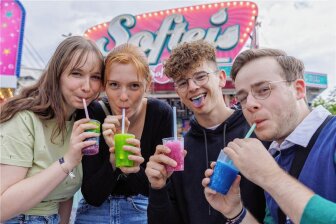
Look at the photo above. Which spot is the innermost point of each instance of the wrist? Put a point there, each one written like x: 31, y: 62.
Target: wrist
x: 235, y: 212
x: 65, y: 169
x: 68, y: 163
x: 238, y: 218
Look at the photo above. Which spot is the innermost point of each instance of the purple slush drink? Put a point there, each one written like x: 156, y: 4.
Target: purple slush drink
x: 92, y: 149
x: 223, y: 177
x: 176, y: 153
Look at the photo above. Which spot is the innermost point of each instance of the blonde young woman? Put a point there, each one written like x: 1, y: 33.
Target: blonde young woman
x: 41, y: 145
x: 114, y: 195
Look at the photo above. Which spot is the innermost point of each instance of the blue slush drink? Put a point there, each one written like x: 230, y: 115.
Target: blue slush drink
x: 223, y: 176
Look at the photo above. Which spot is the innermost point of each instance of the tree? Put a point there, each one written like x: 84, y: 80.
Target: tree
x: 329, y: 103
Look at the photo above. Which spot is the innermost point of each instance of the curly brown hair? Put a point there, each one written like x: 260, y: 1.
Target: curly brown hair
x: 292, y: 67
x: 188, y: 56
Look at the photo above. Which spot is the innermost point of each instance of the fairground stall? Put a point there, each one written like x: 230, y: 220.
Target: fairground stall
x: 12, y: 20
x: 230, y: 26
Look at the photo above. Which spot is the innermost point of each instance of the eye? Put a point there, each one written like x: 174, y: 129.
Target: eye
x: 262, y: 90
x: 113, y: 85
x: 96, y: 77
x: 76, y: 74
x: 134, y: 86
x: 181, y: 84
x: 241, y: 98
x: 200, y: 76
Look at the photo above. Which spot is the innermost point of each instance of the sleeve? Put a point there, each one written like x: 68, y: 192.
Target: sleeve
x: 268, y: 218
x: 319, y: 210
x: 163, y: 124
x: 161, y: 208
x: 17, y: 138
x: 99, y: 178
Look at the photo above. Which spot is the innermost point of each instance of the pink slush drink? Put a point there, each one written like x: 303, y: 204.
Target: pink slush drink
x: 176, y: 152
x: 92, y: 149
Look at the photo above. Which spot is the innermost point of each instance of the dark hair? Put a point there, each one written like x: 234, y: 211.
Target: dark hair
x: 292, y: 68
x: 188, y: 56
x: 44, y: 98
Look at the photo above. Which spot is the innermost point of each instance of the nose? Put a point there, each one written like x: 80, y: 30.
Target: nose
x: 123, y: 95
x: 86, y: 85
x: 252, y: 104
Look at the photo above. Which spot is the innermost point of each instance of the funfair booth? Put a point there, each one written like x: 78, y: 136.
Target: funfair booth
x: 230, y: 26
x: 12, y: 20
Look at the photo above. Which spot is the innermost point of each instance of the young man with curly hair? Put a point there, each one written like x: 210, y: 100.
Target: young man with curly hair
x: 199, y: 83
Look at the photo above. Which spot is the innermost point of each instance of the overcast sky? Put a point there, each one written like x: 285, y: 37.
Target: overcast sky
x: 305, y: 29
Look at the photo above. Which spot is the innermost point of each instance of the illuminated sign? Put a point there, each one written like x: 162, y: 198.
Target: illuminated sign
x: 11, y: 29
x: 227, y: 25
x: 317, y: 80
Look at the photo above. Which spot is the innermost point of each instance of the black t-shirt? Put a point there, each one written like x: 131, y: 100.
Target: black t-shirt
x: 99, y: 178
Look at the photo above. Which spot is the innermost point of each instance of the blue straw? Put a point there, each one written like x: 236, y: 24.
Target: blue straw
x: 249, y: 133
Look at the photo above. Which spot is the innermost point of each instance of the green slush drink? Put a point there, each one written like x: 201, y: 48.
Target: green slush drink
x: 121, y: 156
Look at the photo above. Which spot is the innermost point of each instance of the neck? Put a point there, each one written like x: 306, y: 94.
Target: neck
x: 69, y: 113
x: 215, y: 117
x: 304, y: 111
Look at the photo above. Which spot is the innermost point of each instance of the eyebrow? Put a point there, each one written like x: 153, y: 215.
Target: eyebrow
x: 253, y: 85
x: 259, y: 83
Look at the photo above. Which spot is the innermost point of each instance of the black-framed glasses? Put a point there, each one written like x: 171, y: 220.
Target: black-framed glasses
x: 259, y: 91
x: 199, y: 78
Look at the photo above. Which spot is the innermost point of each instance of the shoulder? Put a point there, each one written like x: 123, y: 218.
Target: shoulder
x: 95, y: 111
x: 158, y: 106
x: 22, y: 119
x: 329, y: 131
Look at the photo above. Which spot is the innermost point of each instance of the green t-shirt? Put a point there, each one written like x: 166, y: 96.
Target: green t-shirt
x: 319, y: 210
x: 25, y: 142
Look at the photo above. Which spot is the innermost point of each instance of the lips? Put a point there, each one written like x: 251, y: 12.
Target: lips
x: 198, y: 99
x: 259, y: 122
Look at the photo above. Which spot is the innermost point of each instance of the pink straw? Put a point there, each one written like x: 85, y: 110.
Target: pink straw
x: 85, y: 109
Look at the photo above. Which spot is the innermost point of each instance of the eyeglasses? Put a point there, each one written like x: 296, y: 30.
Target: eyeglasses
x: 199, y: 78
x: 260, y: 91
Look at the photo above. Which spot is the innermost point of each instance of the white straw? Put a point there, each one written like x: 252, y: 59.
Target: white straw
x: 123, y: 121
x: 175, y: 123
x: 85, y: 109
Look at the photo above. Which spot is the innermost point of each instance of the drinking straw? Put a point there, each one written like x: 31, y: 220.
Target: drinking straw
x: 123, y: 121
x: 221, y: 155
x: 251, y: 130
x: 175, y: 124
x: 85, y: 109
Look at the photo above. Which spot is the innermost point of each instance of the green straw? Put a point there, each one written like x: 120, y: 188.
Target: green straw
x: 249, y: 133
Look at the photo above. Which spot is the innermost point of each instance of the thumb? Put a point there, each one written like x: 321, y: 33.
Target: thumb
x: 111, y: 149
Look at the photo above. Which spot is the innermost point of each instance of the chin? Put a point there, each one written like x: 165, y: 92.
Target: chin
x: 264, y: 135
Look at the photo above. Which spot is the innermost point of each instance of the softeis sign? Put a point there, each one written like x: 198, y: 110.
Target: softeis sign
x: 227, y: 25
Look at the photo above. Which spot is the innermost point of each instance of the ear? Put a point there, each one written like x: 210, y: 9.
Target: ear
x: 222, y: 78
x: 148, y: 82
x: 300, y: 87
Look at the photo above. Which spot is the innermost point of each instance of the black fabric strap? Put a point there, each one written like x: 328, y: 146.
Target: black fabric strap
x: 301, y: 154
